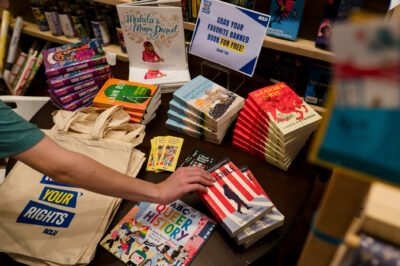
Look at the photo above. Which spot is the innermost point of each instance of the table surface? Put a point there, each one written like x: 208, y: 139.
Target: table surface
x: 289, y: 191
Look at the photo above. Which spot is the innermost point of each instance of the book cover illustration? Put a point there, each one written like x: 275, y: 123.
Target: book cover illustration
x: 285, y: 109
x: 154, y: 38
x: 155, y: 234
x: 318, y: 85
x: 285, y: 18
x: 132, y: 95
x: 199, y: 158
x: 159, y: 142
x: 232, y: 199
x: 74, y: 77
x: 209, y: 100
x: 73, y: 57
x: 170, y: 154
x: 151, y: 163
x: 266, y: 224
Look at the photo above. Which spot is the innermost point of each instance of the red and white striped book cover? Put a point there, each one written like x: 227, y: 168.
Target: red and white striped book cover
x: 233, y: 199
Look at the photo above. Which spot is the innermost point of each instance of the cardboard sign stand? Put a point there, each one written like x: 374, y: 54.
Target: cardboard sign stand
x: 217, y: 70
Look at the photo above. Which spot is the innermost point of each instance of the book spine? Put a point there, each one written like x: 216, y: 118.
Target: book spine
x: 17, y: 67
x: 75, y: 67
x: 79, y: 94
x: 82, y: 101
x: 57, y: 83
x: 25, y: 74
x: 5, y: 21
x: 174, y: 126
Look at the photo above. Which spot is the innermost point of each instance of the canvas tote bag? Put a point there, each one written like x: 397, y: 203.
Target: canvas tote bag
x: 44, y: 222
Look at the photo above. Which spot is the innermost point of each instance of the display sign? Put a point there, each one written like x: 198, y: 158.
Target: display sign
x: 361, y: 129
x: 229, y: 35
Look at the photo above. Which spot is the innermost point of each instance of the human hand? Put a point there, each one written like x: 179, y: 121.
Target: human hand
x: 182, y: 181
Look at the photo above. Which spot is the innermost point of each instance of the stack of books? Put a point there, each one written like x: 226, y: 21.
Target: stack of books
x: 164, y: 153
x: 237, y: 200
x: 274, y: 125
x: 75, y: 73
x: 203, y: 109
x: 140, y: 101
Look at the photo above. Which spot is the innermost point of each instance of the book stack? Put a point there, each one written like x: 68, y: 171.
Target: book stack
x: 164, y: 153
x: 75, y: 73
x: 203, y: 109
x: 236, y: 199
x: 173, y: 237
x: 274, y: 125
x: 140, y: 101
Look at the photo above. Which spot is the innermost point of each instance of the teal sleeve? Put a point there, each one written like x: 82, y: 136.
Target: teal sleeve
x: 16, y: 134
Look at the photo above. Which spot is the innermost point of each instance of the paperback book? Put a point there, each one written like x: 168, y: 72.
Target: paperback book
x: 199, y: 158
x: 155, y: 43
x: 73, y: 57
x: 155, y: 234
x: 232, y: 199
x: 318, y: 85
x: 285, y: 18
x: 272, y: 220
x: 210, y: 101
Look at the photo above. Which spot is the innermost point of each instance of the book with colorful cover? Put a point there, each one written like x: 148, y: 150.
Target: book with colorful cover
x: 81, y: 85
x: 266, y: 224
x: 74, y: 77
x: 285, y: 109
x: 170, y: 154
x: 154, y: 37
x: 132, y: 96
x: 232, y: 199
x: 285, y: 18
x: 151, y: 161
x: 318, y: 85
x: 156, y: 234
x: 73, y: 57
x: 199, y: 158
x: 210, y: 101
x: 79, y: 94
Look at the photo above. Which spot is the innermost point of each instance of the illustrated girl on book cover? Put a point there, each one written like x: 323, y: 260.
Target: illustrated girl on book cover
x: 150, y: 55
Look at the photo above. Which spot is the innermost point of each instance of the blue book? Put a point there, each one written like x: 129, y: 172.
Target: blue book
x: 317, y: 85
x: 285, y: 18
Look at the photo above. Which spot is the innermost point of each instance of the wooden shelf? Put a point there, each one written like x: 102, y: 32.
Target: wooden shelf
x: 300, y: 47
x: 32, y: 29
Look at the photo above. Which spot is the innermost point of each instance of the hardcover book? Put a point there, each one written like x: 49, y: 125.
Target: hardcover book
x: 317, y: 86
x: 266, y: 224
x: 232, y: 199
x: 74, y: 77
x: 210, y: 101
x: 132, y: 96
x: 155, y: 234
x: 73, y: 57
x: 285, y: 18
x: 154, y: 38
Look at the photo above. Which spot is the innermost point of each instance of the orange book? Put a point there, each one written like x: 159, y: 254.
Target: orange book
x: 133, y: 96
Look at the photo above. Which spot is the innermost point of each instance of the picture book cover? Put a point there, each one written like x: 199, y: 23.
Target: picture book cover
x: 199, y: 158
x: 131, y: 95
x: 159, y: 142
x: 155, y: 234
x: 151, y: 161
x: 209, y: 100
x: 285, y: 18
x: 318, y: 84
x: 266, y: 224
x: 170, y: 154
x: 81, y: 85
x: 285, y: 109
x: 72, y: 57
x: 74, y: 77
x: 155, y: 42
x: 232, y: 199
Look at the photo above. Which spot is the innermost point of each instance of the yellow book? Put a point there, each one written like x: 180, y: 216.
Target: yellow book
x: 170, y: 154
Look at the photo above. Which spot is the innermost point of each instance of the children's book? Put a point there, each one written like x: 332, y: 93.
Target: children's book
x: 132, y: 96
x: 155, y: 234
x: 154, y: 38
x: 170, y: 154
x: 199, y: 158
x: 318, y: 85
x: 233, y: 199
x: 285, y: 18
x: 210, y: 101
x: 79, y: 94
x: 266, y: 224
x: 73, y: 57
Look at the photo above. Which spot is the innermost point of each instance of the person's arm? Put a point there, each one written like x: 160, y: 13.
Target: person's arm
x: 78, y: 170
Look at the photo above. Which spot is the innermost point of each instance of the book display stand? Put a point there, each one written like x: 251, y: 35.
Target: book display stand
x: 227, y: 74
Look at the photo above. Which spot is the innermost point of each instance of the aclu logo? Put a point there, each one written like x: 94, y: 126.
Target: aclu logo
x: 206, y: 7
x: 59, y: 196
x: 48, y: 181
x: 40, y: 214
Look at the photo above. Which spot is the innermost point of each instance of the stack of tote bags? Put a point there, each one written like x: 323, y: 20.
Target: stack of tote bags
x: 46, y: 223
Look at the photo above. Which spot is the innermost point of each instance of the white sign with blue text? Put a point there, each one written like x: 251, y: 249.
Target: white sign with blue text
x: 229, y: 35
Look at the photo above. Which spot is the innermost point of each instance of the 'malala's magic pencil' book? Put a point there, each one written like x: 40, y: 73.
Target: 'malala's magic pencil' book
x: 155, y: 234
